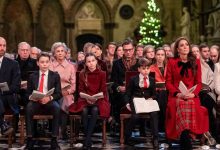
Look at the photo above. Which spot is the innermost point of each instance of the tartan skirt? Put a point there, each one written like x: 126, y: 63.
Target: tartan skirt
x: 182, y: 115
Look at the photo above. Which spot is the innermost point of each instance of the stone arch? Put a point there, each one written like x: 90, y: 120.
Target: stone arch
x: 88, y: 37
x: 104, y: 7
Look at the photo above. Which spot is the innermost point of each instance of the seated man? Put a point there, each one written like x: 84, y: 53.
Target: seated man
x: 9, y: 73
x: 43, y: 80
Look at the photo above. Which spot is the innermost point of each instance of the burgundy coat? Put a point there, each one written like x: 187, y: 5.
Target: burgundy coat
x: 96, y: 82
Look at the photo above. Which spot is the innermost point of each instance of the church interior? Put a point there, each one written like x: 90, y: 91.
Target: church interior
x: 75, y: 22
x: 42, y: 22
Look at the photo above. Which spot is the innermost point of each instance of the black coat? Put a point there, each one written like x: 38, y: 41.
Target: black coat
x: 118, y: 73
x: 27, y: 67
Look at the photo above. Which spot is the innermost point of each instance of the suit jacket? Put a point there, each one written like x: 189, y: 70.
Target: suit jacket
x: 10, y: 73
x: 118, y: 73
x: 134, y: 90
x: 53, y: 82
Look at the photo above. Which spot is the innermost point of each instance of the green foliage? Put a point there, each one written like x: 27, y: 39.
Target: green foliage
x: 150, y: 25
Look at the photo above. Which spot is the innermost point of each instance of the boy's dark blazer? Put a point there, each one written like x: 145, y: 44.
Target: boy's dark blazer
x: 53, y: 82
x: 134, y: 90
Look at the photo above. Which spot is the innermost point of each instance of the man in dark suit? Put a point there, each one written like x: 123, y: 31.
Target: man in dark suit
x: 10, y: 73
x: 27, y: 66
x: 43, y: 81
x: 127, y: 63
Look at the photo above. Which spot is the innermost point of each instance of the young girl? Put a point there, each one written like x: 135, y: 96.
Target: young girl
x: 159, y: 68
x: 91, y: 81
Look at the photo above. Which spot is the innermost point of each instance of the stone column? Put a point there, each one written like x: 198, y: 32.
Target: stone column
x: 69, y: 27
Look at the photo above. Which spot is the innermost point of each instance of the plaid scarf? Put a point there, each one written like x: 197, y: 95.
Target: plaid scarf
x: 185, y: 115
x: 129, y: 63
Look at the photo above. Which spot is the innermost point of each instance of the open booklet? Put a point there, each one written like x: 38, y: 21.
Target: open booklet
x: 183, y: 89
x: 36, y: 95
x: 4, y: 87
x: 142, y: 105
x: 92, y: 97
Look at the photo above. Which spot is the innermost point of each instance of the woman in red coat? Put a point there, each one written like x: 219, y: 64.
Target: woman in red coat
x: 91, y: 81
x: 185, y: 116
x: 160, y: 69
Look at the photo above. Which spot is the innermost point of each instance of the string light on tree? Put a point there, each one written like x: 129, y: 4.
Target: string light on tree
x: 150, y: 25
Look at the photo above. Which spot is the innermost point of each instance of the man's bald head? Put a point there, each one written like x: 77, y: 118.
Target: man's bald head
x: 2, y: 46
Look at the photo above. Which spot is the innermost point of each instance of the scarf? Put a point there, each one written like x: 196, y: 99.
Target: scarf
x: 129, y: 63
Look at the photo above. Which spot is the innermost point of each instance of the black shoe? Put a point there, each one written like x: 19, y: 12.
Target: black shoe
x: 6, y: 129
x: 129, y: 142
x: 29, y: 145
x: 156, y: 144
x: 87, y: 147
x: 54, y: 145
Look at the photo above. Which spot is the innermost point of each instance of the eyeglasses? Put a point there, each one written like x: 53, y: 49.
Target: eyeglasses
x: 128, y: 50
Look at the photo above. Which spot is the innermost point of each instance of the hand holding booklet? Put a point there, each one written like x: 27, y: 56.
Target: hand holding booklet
x: 91, y: 97
x: 183, y: 89
x: 141, y: 105
x: 4, y: 87
x: 36, y: 95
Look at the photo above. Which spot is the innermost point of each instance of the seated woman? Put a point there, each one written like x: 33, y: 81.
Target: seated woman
x: 159, y: 68
x: 91, y: 81
x: 67, y: 73
x: 185, y: 117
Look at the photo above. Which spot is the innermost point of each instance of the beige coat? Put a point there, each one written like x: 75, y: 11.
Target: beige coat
x: 217, y: 80
x: 208, y: 77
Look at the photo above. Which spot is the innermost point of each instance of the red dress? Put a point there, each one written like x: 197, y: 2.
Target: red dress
x: 96, y: 82
x: 180, y: 114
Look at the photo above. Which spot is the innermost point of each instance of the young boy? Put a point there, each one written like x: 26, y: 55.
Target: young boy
x: 43, y: 80
x: 141, y: 86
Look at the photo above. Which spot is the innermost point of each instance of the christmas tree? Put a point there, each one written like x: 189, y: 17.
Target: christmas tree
x: 150, y: 25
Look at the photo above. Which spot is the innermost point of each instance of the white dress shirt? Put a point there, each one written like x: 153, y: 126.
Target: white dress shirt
x: 141, y: 81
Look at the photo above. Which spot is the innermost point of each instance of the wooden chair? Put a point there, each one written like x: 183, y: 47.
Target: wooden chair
x: 35, y: 117
x: 74, y: 130
x: 126, y: 114
x: 9, y: 138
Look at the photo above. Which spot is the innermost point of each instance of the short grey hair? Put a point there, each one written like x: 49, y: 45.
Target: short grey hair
x: 39, y: 51
x: 58, y: 44
x: 23, y: 43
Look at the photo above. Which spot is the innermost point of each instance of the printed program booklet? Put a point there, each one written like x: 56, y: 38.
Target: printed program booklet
x: 91, y: 97
x: 39, y: 95
x: 141, y: 105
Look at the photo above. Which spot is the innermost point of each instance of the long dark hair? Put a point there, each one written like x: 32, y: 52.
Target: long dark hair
x: 85, y: 71
x: 190, y: 57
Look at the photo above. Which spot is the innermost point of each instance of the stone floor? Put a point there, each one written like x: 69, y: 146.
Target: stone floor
x: 112, y: 144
